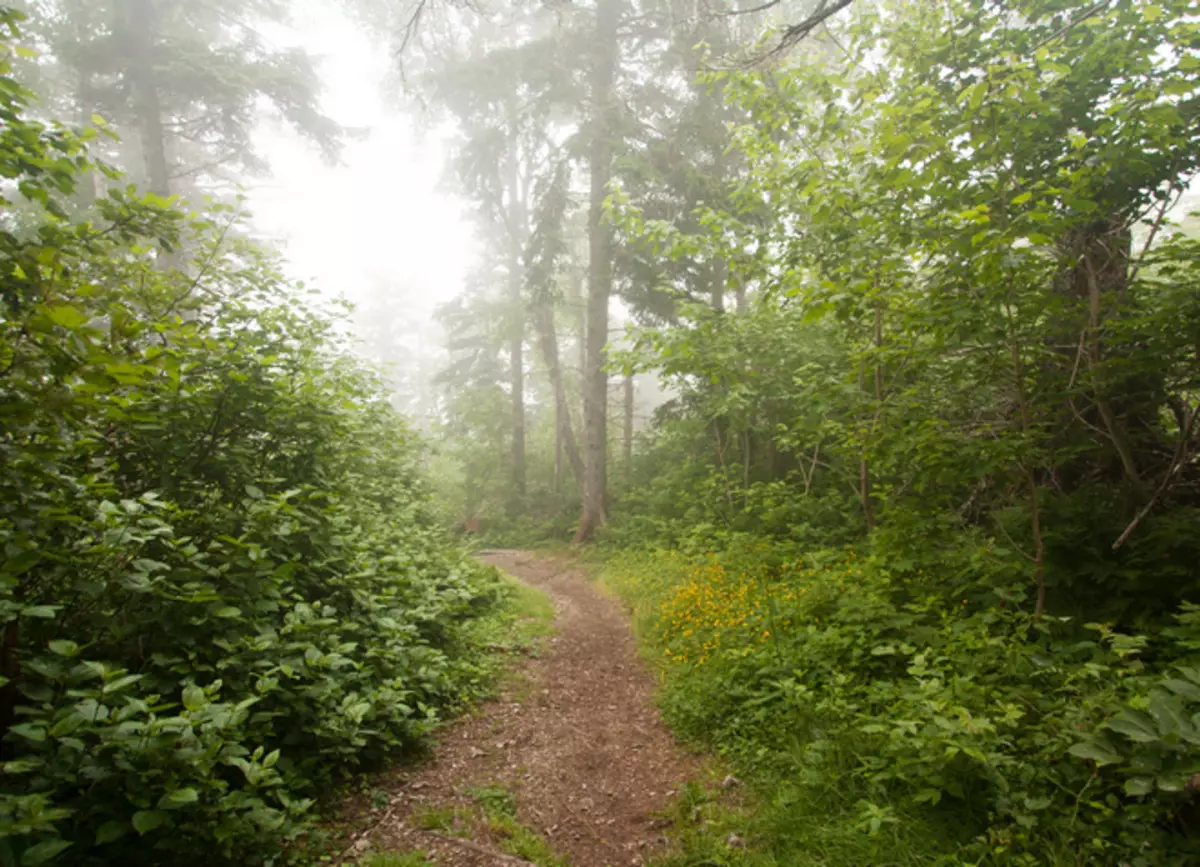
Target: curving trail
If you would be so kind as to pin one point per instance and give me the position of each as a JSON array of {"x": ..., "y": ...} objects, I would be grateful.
[{"x": 575, "y": 738}]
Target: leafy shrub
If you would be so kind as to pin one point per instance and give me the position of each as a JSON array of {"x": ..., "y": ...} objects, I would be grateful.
[
  {"x": 220, "y": 586},
  {"x": 926, "y": 697}
]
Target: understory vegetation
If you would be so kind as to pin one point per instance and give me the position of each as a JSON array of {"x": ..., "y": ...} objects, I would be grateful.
[
  {"x": 221, "y": 584},
  {"x": 915, "y": 544},
  {"x": 860, "y": 337},
  {"x": 910, "y": 529}
]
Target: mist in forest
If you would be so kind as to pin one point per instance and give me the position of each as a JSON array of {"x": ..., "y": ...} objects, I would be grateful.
[{"x": 853, "y": 344}]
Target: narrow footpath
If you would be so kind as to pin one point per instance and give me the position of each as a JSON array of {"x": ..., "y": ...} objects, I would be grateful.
[{"x": 574, "y": 746}]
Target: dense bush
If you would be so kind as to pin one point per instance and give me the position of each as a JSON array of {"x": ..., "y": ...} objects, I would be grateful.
[
  {"x": 219, "y": 583},
  {"x": 913, "y": 717},
  {"x": 968, "y": 352}
]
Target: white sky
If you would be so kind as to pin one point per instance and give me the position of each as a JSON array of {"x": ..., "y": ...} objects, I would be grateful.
[{"x": 378, "y": 217}]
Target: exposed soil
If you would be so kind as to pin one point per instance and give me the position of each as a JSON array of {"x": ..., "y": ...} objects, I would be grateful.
[{"x": 575, "y": 737}]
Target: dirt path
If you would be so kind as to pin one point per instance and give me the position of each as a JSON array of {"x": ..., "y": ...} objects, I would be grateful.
[{"x": 575, "y": 744}]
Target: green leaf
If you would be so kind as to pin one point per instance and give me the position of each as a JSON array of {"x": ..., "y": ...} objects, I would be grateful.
[
  {"x": 1138, "y": 786},
  {"x": 110, "y": 831},
  {"x": 44, "y": 852},
  {"x": 21, "y": 563},
  {"x": 194, "y": 697},
  {"x": 42, "y": 612},
  {"x": 120, "y": 683},
  {"x": 1184, "y": 688},
  {"x": 30, "y": 731},
  {"x": 67, "y": 316},
  {"x": 1096, "y": 751},
  {"x": 1134, "y": 725},
  {"x": 178, "y": 799},
  {"x": 64, "y": 648},
  {"x": 145, "y": 821},
  {"x": 1168, "y": 713}
]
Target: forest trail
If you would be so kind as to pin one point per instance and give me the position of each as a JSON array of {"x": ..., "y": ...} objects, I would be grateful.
[{"x": 573, "y": 742}]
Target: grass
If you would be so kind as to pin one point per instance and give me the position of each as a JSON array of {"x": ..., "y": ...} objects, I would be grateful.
[
  {"x": 533, "y": 610},
  {"x": 500, "y": 812},
  {"x": 444, "y": 820},
  {"x": 519, "y": 624},
  {"x": 396, "y": 859}
]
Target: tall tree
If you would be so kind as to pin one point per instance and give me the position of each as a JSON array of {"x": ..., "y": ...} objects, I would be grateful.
[
  {"x": 184, "y": 84},
  {"x": 602, "y": 128}
]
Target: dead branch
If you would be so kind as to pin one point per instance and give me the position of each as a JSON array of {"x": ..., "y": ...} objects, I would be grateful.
[
  {"x": 484, "y": 850},
  {"x": 1177, "y": 462}
]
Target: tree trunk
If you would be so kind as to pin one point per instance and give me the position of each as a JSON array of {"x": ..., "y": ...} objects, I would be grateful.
[
  {"x": 517, "y": 384},
  {"x": 716, "y": 286},
  {"x": 627, "y": 439},
  {"x": 1097, "y": 278},
  {"x": 139, "y": 37},
  {"x": 564, "y": 435},
  {"x": 518, "y": 238},
  {"x": 84, "y": 103},
  {"x": 516, "y": 362},
  {"x": 600, "y": 253}
]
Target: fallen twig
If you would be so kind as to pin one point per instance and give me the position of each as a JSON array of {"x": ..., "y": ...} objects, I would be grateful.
[{"x": 483, "y": 850}]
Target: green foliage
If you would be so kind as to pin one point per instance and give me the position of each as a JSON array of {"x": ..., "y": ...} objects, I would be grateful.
[
  {"x": 916, "y": 714},
  {"x": 500, "y": 811},
  {"x": 944, "y": 456},
  {"x": 220, "y": 586},
  {"x": 397, "y": 859}
]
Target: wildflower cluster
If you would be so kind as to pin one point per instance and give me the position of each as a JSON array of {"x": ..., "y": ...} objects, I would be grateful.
[{"x": 696, "y": 611}]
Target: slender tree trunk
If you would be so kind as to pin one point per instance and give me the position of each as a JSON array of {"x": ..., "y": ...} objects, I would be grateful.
[
  {"x": 139, "y": 32},
  {"x": 88, "y": 187},
  {"x": 84, "y": 101},
  {"x": 600, "y": 253},
  {"x": 1035, "y": 507},
  {"x": 517, "y": 218},
  {"x": 716, "y": 287},
  {"x": 517, "y": 384},
  {"x": 864, "y": 467},
  {"x": 627, "y": 439},
  {"x": 564, "y": 435},
  {"x": 516, "y": 362}
]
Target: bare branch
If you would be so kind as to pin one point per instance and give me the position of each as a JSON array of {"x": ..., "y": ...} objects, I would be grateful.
[
  {"x": 1177, "y": 462},
  {"x": 797, "y": 33}
]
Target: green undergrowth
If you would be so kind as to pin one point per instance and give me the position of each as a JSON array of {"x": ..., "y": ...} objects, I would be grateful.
[
  {"x": 516, "y": 624},
  {"x": 893, "y": 716},
  {"x": 500, "y": 816},
  {"x": 397, "y": 859}
]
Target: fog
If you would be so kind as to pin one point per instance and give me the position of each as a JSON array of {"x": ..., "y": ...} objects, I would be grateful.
[{"x": 382, "y": 214}]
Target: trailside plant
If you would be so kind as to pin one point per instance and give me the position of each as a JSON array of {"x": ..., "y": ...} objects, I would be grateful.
[
  {"x": 968, "y": 351},
  {"x": 220, "y": 584}
]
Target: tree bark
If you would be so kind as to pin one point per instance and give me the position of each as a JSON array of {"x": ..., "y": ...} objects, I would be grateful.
[
  {"x": 516, "y": 362},
  {"x": 600, "y": 254},
  {"x": 627, "y": 439},
  {"x": 716, "y": 286},
  {"x": 84, "y": 102},
  {"x": 518, "y": 226},
  {"x": 139, "y": 37},
  {"x": 564, "y": 434}
]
